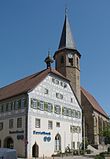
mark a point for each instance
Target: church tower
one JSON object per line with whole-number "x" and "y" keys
{"x": 67, "y": 58}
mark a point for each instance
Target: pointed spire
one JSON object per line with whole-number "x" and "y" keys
{"x": 66, "y": 40}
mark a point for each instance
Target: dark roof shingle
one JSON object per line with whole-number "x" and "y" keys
{"x": 26, "y": 84}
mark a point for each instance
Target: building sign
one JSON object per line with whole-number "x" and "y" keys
{"x": 41, "y": 133}
{"x": 16, "y": 132}
{"x": 20, "y": 137}
{"x": 46, "y": 138}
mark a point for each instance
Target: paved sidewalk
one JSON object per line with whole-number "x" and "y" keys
{"x": 65, "y": 157}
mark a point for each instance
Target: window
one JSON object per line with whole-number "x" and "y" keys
{"x": 46, "y": 91}
{"x": 53, "y": 80}
{"x": 7, "y": 106}
{"x": 11, "y": 105}
{"x": 57, "y": 81}
{"x": 34, "y": 103}
{"x": 50, "y": 124}
{"x": 41, "y": 105}
{"x": 1, "y": 126}
{"x": 71, "y": 100}
{"x": 15, "y": 105}
{"x": 76, "y": 114}
{"x": 65, "y": 85}
{"x": 57, "y": 109}
{"x": 69, "y": 112}
{"x": 73, "y": 113}
{"x": 79, "y": 114}
{"x": 59, "y": 95}
{"x": 57, "y": 124}
{"x": 71, "y": 61}
{"x": 18, "y": 104}
{"x": 19, "y": 122}
{"x": 78, "y": 145}
{"x": 50, "y": 107}
{"x": 77, "y": 62}
{"x": 11, "y": 123}
{"x": 24, "y": 102}
{"x": 62, "y": 59}
{"x": 64, "y": 111}
{"x": 73, "y": 145}
{"x": 1, "y": 108}
{"x": 37, "y": 123}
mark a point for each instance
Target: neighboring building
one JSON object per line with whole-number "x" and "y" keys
{"x": 40, "y": 112}
{"x": 95, "y": 118}
{"x": 67, "y": 59}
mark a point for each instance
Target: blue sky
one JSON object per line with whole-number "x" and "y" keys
{"x": 29, "y": 28}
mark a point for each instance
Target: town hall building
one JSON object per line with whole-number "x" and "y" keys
{"x": 41, "y": 115}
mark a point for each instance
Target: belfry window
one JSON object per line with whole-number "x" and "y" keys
{"x": 71, "y": 61}
{"x": 62, "y": 59}
{"x": 77, "y": 62}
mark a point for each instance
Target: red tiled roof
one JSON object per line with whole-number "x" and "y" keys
{"x": 93, "y": 102}
{"x": 26, "y": 84}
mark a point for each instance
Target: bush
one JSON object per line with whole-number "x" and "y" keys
{"x": 81, "y": 152}
{"x": 88, "y": 151}
{"x": 75, "y": 152}
{"x": 99, "y": 157}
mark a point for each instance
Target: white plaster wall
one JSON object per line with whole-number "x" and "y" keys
{"x": 47, "y": 148}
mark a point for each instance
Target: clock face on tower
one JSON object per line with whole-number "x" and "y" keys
{"x": 70, "y": 55}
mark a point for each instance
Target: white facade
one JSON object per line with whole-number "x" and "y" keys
{"x": 55, "y": 110}
{"x": 48, "y": 115}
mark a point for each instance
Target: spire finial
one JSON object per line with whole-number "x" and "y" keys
{"x": 66, "y": 10}
{"x": 48, "y": 60}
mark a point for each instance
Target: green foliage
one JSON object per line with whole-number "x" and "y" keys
{"x": 86, "y": 143}
{"x": 99, "y": 157}
{"x": 106, "y": 134}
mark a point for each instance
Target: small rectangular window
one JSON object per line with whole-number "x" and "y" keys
{"x": 34, "y": 103}
{"x": 7, "y": 104}
{"x": 11, "y": 123}
{"x": 50, "y": 124}
{"x": 59, "y": 95}
{"x": 64, "y": 111}
{"x": 37, "y": 123}
{"x": 78, "y": 145}
{"x": 41, "y": 105}
{"x": 1, "y": 126}
{"x": 19, "y": 122}
{"x": 73, "y": 145}
{"x": 24, "y": 102}
{"x": 46, "y": 91}
{"x": 57, "y": 109}
{"x": 57, "y": 124}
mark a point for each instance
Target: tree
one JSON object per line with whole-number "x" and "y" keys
{"x": 106, "y": 134}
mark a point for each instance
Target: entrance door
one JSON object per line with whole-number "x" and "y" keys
{"x": 35, "y": 150}
{"x": 8, "y": 143}
{"x": 57, "y": 142}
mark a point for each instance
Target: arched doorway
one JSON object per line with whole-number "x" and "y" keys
{"x": 57, "y": 142}
{"x": 35, "y": 150}
{"x": 8, "y": 143}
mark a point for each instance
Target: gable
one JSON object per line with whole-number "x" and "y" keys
{"x": 55, "y": 90}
